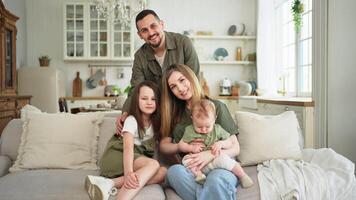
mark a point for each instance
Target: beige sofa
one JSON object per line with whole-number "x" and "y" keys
{"x": 49, "y": 184}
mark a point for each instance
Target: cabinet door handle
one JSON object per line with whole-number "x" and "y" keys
{"x": 286, "y": 108}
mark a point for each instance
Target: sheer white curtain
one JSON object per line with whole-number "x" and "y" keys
{"x": 267, "y": 34}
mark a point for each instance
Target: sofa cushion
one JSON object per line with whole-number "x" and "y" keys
{"x": 57, "y": 184}
{"x": 10, "y": 139}
{"x": 107, "y": 130}
{"x": 62, "y": 140}
{"x": 266, "y": 137}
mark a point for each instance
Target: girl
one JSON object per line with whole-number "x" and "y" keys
{"x": 128, "y": 159}
{"x": 180, "y": 89}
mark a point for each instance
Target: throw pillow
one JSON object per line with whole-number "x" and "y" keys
{"x": 266, "y": 137}
{"x": 60, "y": 140}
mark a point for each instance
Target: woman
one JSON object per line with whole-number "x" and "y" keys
{"x": 180, "y": 88}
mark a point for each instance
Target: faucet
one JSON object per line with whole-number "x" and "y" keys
{"x": 282, "y": 91}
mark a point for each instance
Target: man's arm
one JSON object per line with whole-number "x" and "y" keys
{"x": 190, "y": 56}
{"x": 136, "y": 78}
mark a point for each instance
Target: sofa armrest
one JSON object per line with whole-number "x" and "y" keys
{"x": 5, "y": 164}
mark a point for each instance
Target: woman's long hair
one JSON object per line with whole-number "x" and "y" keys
{"x": 172, "y": 107}
{"x": 137, "y": 113}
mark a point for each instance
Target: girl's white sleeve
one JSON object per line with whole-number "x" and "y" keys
{"x": 130, "y": 125}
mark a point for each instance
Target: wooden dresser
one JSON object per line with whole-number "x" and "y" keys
{"x": 10, "y": 108}
{"x": 10, "y": 102}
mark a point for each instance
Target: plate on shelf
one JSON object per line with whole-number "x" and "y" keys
{"x": 231, "y": 30}
{"x": 220, "y": 54}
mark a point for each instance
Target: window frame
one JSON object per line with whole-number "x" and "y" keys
{"x": 283, "y": 20}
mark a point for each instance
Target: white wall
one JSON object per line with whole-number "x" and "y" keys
{"x": 341, "y": 120}
{"x": 215, "y": 16}
{"x": 44, "y": 28}
{"x": 18, "y": 8}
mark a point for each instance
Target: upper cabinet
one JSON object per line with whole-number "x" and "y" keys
{"x": 88, "y": 36}
{"x": 74, "y": 31}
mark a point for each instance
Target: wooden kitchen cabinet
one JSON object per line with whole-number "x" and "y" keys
{"x": 10, "y": 102}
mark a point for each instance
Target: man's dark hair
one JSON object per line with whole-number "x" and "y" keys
{"x": 144, "y": 13}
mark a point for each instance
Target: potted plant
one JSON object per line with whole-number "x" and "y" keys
{"x": 44, "y": 61}
{"x": 122, "y": 95}
{"x": 297, "y": 10}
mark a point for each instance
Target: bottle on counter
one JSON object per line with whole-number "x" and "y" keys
{"x": 239, "y": 54}
{"x": 77, "y": 86}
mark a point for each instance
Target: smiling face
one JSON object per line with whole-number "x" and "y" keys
{"x": 180, "y": 86}
{"x": 147, "y": 100}
{"x": 150, "y": 29}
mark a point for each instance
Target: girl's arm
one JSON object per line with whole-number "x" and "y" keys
{"x": 184, "y": 147}
{"x": 128, "y": 152}
{"x": 167, "y": 146}
{"x": 189, "y": 148}
{"x": 130, "y": 178}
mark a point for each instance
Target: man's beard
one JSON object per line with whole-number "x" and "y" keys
{"x": 155, "y": 45}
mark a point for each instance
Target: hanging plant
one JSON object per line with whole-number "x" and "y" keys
{"x": 297, "y": 10}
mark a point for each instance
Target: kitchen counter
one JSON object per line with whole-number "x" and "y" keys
{"x": 88, "y": 98}
{"x": 280, "y": 100}
{"x": 291, "y": 101}
{"x": 90, "y": 103}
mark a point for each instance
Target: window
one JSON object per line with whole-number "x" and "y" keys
{"x": 294, "y": 54}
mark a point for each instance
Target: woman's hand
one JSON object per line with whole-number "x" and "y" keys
{"x": 199, "y": 160}
{"x": 197, "y": 145}
{"x": 216, "y": 148}
{"x": 120, "y": 123}
{"x": 198, "y": 141}
{"x": 196, "y": 148}
{"x": 131, "y": 181}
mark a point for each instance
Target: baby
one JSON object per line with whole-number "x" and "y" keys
{"x": 215, "y": 138}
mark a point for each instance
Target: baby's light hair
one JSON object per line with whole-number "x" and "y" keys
{"x": 202, "y": 108}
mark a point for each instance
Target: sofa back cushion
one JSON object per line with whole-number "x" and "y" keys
{"x": 266, "y": 137}
{"x": 11, "y": 138}
{"x": 60, "y": 140}
{"x": 107, "y": 130}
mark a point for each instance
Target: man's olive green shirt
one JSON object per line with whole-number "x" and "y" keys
{"x": 179, "y": 50}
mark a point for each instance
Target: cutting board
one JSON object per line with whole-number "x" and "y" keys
{"x": 77, "y": 86}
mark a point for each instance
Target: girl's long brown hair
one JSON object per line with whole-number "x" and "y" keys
{"x": 136, "y": 112}
{"x": 172, "y": 107}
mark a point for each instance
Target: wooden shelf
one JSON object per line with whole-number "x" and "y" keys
{"x": 222, "y": 37}
{"x": 214, "y": 62}
{"x": 227, "y": 97}
{"x": 88, "y": 98}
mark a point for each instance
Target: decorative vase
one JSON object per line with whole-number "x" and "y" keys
{"x": 44, "y": 62}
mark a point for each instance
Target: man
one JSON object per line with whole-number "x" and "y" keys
{"x": 161, "y": 49}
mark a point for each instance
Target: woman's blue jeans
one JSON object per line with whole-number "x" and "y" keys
{"x": 219, "y": 184}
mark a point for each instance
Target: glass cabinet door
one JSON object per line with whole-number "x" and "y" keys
{"x": 8, "y": 59}
{"x": 89, "y": 36}
{"x": 98, "y": 34}
{"x": 122, "y": 41}
{"x": 74, "y": 44}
